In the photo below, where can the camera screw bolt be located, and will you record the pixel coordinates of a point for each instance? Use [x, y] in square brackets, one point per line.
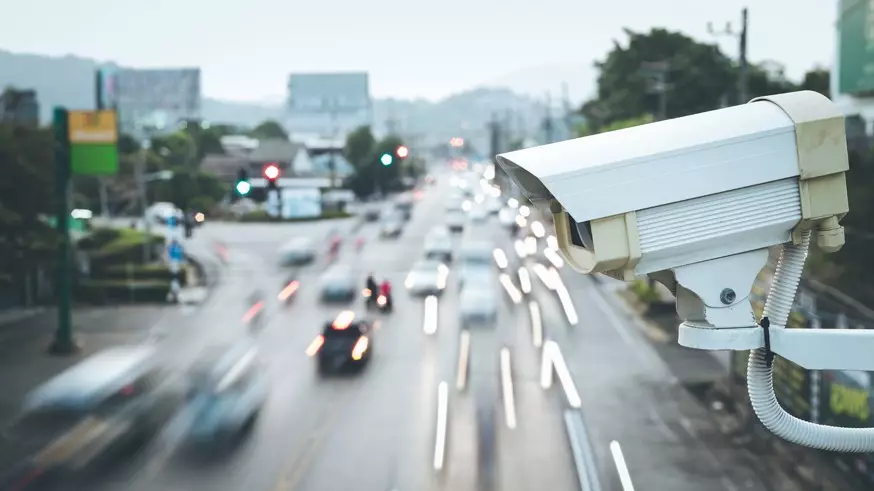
[727, 296]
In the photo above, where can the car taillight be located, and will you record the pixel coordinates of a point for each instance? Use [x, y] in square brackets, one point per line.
[359, 348]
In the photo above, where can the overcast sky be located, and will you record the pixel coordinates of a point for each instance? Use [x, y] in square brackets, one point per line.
[411, 49]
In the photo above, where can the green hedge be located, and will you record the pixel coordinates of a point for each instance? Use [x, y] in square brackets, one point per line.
[103, 292]
[126, 246]
[140, 272]
[262, 216]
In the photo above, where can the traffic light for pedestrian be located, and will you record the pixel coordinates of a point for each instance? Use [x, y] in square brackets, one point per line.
[386, 159]
[271, 173]
[243, 187]
[403, 151]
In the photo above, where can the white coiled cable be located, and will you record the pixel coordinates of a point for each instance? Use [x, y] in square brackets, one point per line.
[760, 372]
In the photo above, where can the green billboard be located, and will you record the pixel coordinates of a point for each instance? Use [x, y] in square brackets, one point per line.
[856, 43]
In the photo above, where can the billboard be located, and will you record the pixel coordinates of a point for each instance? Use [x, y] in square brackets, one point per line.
[856, 46]
[301, 202]
[328, 104]
[153, 97]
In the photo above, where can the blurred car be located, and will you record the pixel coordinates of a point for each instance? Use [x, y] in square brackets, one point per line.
[438, 246]
[343, 344]
[478, 305]
[430, 180]
[478, 214]
[392, 226]
[427, 277]
[372, 213]
[91, 415]
[455, 221]
[493, 206]
[475, 259]
[297, 252]
[507, 216]
[338, 285]
[228, 389]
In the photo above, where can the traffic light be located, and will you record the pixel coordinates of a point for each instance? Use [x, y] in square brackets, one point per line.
[403, 151]
[271, 173]
[386, 159]
[242, 187]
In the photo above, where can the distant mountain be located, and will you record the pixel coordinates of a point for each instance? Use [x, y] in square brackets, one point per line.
[69, 81]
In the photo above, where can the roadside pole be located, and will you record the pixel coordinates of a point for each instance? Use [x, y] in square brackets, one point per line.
[84, 144]
[63, 342]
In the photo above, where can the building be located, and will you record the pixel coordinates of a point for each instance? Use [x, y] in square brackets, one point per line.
[19, 107]
[153, 99]
[852, 74]
[328, 104]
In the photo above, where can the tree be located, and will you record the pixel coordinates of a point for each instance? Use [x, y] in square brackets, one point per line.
[269, 129]
[359, 146]
[26, 194]
[699, 77]
[818, 80]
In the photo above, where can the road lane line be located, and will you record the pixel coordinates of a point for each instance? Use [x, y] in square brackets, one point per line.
[507, 386]
[581, 448]
[564, 375]
[429, 323]
[512, 291]
[524, 280]
[546, 368]
[536, 324]
[463, 360]
[442, 416]
[621, 466]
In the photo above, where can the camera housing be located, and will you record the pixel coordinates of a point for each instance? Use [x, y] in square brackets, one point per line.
[654, 197]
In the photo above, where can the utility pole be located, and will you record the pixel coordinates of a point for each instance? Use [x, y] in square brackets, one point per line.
[332, 164]
[547, 120]
[99, 105]
[743, 66]
[63, 342]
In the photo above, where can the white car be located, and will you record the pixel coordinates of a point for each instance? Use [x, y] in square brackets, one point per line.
[507, 216]
[455, 221]
[478, 305]
[438, 247]
[478, 214]
[428, 277]
[297, 252]
[475, 261]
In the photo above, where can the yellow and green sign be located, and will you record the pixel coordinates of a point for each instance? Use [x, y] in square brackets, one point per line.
[93, 136]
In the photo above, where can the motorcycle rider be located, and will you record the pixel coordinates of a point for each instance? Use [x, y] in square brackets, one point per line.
[371, 285]
[385, 290]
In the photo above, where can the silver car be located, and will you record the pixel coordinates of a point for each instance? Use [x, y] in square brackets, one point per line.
[228, 389]
[297, 252]
[338, 285]
[475, 259]
[427, 277]
[478, 305]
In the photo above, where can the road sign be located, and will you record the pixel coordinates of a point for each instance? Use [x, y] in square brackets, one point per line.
[92, 137]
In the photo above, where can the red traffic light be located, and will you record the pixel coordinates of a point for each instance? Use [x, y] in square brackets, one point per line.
[271, 172]
[403, 151]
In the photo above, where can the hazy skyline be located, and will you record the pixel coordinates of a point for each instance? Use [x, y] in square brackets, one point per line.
[246, 50]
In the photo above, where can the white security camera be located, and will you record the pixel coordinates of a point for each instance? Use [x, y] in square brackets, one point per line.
[696, 203]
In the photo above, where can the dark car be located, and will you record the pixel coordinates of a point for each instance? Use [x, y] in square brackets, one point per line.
[343, 345]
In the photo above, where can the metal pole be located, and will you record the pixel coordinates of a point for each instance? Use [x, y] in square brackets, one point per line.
[101, 181]
[63, 342]
[663, 95]
[141, 188]
[743, 89]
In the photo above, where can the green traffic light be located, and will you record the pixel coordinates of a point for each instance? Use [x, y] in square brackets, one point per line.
[386, 159]
[243, 188]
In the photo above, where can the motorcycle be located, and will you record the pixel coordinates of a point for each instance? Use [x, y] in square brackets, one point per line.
[380, 302]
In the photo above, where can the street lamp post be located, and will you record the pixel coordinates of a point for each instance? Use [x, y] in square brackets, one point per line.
[743, 68]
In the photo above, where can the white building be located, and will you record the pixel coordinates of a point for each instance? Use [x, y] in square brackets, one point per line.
[327, 105]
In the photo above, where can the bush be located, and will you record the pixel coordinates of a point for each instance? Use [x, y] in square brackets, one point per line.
[127, 247]
[103, 292]
[262, 216]
[98, 238]
[644, 292]
[140, 272]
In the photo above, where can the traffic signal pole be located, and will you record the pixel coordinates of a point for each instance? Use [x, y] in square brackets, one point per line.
[63, 343]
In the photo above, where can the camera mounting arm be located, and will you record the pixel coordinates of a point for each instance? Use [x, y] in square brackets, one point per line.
[713, 301]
